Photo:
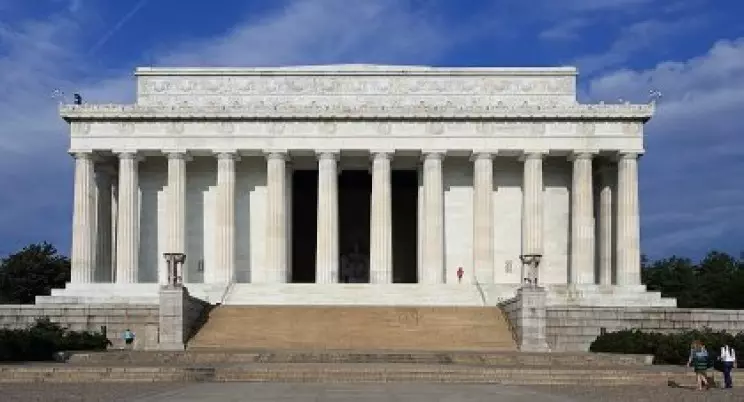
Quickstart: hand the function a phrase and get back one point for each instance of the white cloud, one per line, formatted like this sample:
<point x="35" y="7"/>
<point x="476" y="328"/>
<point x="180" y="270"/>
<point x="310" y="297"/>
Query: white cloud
<point x="565" y="30"/>
<point x="694" y="161"/>
<point x="636" y="37"/>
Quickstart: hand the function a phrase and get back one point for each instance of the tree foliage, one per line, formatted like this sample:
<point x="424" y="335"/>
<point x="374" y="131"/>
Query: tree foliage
<point x="32" y="271"/>
<point x="714" y="282"/>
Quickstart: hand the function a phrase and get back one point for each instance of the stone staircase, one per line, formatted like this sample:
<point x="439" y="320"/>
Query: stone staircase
<point x="218" y="365"/>
<point x="355" y="328"/>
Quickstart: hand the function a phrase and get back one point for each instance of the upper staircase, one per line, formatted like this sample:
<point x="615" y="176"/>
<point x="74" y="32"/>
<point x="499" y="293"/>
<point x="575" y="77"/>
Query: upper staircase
<point x="355" y="327"/>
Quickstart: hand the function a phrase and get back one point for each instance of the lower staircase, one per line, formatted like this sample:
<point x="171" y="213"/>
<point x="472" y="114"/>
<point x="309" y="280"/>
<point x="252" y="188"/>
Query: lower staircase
<point x="232" y="327"/>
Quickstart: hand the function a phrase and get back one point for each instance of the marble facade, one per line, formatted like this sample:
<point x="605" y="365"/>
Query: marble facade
<point x="508" y="165"/>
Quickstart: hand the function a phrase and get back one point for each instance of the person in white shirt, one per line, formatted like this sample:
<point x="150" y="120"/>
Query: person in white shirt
<point x="728" y="357"/>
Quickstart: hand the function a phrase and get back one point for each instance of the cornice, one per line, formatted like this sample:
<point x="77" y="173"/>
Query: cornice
<point x="340" y="112"/>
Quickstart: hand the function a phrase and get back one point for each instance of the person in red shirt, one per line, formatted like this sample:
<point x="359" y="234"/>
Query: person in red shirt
<point x="460" y="273"/>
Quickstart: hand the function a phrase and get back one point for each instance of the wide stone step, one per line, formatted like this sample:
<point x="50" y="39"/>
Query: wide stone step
<point x="355" y="328"/>
<point x="347" y="373"/>
<point x="218" y="357"/>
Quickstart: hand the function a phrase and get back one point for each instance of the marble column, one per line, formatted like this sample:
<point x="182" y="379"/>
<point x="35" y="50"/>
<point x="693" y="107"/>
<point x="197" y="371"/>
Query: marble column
<point x="83" y="253"/>
<point x="176" y="210"/>
<point x="288" y="181"/>
<point x="223" y="270"/>
<point x="420" y="226"/>
<point x="532" y="203"/>
<point x="582" y="220"/>
<point x="276" y="218"/>
<point x="128" y="224"/>
<point x="327" y="252"/>
<point x="104" y="222"/>
<point x="483" y="253"/>
<point x="114" y="223"/>
<point x="433" y="253"/>
<point x="605" y="226"/>
<point x="628" y="251"/>
<point x="381" y="220"/>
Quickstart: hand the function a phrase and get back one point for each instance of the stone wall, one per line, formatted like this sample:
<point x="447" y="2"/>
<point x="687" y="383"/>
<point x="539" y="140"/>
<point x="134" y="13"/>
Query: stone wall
<point x="142" y="319"/>
<point x="575" y="328"/>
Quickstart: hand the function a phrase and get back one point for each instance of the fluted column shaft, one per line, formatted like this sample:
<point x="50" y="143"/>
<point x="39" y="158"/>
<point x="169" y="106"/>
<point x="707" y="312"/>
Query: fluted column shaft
<point x="83" y="253"/>
<point x="176" y="210"/>
<point x="381" y="220"/>
<point x="104" y="222"/>
<point x="483" y="252"/>
<point x="605" y="226"/>
<point x="433" y="253"/>
<point x="223" y="270"/>
<point x="128" y="225"/>
<point x="276" y="218"/>
<point x="420" y="227"/>
<point x="289" y="208"/>
<point x="532" y="204"/>
<point x="582" y="220"/>
<point x="327" y="252"/>
<point x="628" y="250"/>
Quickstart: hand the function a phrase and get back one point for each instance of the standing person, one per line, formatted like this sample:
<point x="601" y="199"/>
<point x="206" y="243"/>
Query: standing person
<point x="728" y="357"/>
<point x="460" y="273"/>
<point x="128" y="338"/>
<point x="698" y="360"/>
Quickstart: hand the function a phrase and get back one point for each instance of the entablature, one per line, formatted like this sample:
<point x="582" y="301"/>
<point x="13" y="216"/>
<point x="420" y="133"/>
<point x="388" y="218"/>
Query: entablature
<point x="305" y="110"/>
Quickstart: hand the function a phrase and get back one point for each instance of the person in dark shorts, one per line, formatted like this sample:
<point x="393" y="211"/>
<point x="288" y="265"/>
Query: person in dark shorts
<point x="128" y="338"/>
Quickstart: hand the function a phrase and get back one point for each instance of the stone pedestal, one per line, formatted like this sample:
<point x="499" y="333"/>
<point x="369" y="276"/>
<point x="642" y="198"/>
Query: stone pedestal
<point x="173" y="306"/>
<point x="531" y="316"/>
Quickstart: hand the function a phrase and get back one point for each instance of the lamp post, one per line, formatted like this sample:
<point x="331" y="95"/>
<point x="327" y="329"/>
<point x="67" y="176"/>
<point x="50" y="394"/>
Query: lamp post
<point x="175" y="262"/>
<point x="532" y="261"/>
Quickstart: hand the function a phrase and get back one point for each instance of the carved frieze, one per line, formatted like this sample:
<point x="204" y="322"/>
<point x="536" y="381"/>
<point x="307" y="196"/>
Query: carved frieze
<point x="303" y="108"/>
<point x="360" y="129"/>
<point x="80" y="128"/>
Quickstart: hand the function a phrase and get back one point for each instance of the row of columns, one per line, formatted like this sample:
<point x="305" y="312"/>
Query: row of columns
<point x="87" y="218"/>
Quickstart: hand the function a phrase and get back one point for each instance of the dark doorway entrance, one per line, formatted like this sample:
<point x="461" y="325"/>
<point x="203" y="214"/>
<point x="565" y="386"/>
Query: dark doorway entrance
<point x="405" y="208"/>
<point x="354" y="192"/>
<point x="354" y="204"/>
<point x="304" y="225"/>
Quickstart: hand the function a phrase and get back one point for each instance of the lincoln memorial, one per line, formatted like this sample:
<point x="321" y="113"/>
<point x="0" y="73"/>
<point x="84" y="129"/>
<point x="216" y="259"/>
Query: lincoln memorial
<point x="358" y="185"/>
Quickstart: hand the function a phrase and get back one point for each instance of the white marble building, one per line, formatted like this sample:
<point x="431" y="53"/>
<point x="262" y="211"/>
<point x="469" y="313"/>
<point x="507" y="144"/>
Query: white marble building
<point x="294" y="185"/>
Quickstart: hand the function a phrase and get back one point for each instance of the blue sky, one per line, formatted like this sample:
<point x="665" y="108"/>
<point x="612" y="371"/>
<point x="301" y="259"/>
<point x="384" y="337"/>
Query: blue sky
<point x="692" y="176"/>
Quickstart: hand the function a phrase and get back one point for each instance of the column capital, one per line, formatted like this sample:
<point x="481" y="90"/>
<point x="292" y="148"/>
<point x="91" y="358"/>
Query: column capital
<point x="130" y="154"/>
<point x="226" y="154"/>
<point x="532" y="155"/>
<point x="582" y="155"/>
<point x="381" y="154"/>
<point x="325" y="154"/>
<point x="437" y="154"/>
<point x="476" y="155"/>
<point x="177" y="154"/>
<point x="282" y="154"/>
<point x="84" y="155"/>
<point x="627" y="155"/>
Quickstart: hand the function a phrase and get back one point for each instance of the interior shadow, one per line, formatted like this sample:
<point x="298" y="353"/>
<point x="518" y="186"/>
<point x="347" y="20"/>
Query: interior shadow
<point x="304" y="225"/>
<point x="354" y="198"/>
<point x="405" y="205"/>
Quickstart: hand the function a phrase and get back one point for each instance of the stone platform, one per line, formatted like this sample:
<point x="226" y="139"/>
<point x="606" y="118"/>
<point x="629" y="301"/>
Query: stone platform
<point x="399" y="294"/>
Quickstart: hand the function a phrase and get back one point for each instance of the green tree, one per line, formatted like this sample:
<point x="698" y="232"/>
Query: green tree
<point x="33" y="271"/>
<point x="714" y="282"/>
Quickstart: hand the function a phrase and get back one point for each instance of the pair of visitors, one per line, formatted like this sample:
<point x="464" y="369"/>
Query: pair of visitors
<point x="728" y="358"/>
<point x="699" y="362"/>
